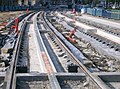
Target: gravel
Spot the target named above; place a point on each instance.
(7, 16)
(72, 84)
(33, 85)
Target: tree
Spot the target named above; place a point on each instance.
(87, 1)
(113, 2)
(96, 2)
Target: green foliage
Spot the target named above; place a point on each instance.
(87, 1)
(112, 1)
(96, 1)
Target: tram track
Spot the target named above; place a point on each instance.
(108, 39)
(104, 47)
(79, 63)
(10, 78)
(53, 52)
(101, 24)
(20, 57)
(93, 79)
(87, 49)
(61, 55)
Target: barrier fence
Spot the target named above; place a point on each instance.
(112, 14)
(17, 8)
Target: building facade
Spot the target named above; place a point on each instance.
(31, 2)
(8, 2)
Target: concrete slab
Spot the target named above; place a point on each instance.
(36, 63)
(102, 21)
(108, 36)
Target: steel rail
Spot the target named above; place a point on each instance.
(99, 35)
(10, 78)
(94, 78)
(51, 76)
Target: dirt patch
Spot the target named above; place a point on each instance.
(8, 16)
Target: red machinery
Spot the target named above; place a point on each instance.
(70, 36)
(27, 10)
(74, 11)
(16, 24)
